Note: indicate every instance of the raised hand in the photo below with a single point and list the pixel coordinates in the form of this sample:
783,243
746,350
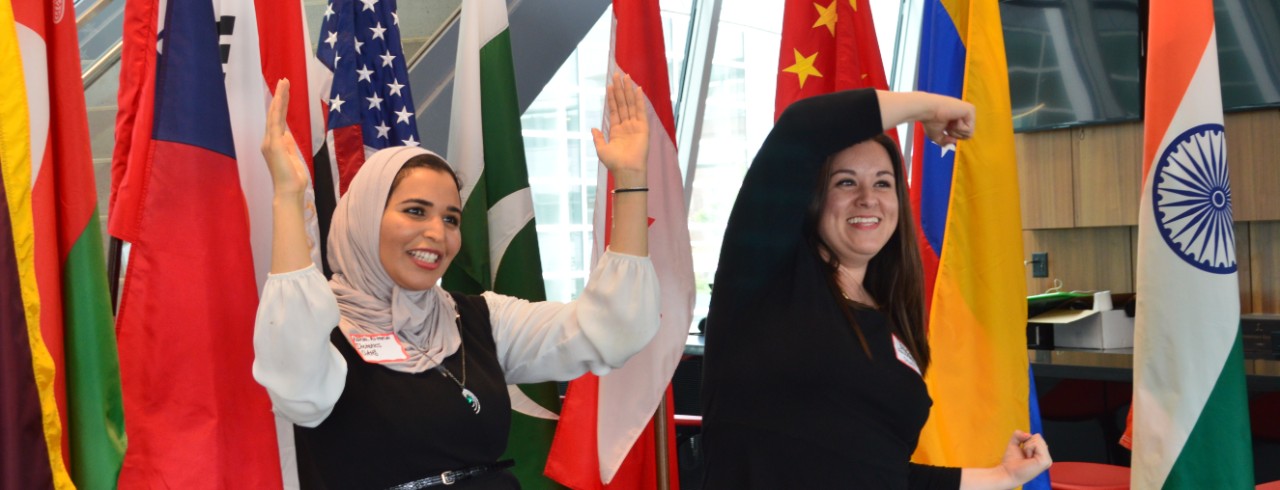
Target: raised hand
951,120
626,153
289,173
290,247
945,119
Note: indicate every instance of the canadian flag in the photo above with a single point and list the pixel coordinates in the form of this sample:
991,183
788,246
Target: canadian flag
604,438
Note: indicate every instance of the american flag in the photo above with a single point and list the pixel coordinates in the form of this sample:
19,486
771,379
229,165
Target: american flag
369,105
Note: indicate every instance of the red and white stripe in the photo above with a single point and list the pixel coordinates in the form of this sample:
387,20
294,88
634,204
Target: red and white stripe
627,398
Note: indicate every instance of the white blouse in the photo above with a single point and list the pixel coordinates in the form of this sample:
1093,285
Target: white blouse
615,316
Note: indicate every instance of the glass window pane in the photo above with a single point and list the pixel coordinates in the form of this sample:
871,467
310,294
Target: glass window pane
544,155
561,158
548,208
743,73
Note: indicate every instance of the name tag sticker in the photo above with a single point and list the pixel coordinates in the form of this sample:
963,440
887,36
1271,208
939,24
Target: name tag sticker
904,354
378,347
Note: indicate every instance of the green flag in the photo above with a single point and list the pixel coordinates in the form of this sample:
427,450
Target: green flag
75,306
499,244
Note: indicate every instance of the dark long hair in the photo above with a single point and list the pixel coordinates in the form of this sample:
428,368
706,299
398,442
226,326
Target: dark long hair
895,276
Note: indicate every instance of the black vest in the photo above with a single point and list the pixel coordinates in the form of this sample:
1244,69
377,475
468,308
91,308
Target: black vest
390,427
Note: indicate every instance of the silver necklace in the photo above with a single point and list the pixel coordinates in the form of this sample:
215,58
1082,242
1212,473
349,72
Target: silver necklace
467,395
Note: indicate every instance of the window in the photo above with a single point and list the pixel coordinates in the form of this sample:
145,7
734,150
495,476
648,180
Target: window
743,72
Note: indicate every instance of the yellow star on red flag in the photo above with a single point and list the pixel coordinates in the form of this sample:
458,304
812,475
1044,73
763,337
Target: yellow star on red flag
804,67
826,17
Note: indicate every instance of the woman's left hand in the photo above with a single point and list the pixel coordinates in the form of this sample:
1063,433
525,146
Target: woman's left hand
626,153
1026,456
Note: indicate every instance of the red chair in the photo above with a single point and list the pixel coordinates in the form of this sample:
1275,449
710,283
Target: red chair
1071,475
1275,485
688,420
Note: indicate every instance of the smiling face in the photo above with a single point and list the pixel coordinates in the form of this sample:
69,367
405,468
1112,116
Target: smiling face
420,232
860,212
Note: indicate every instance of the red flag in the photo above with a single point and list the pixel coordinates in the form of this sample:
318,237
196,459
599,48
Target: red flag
827,48
196,418
591,450
75,321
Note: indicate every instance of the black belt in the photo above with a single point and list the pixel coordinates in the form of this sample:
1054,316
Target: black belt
451,477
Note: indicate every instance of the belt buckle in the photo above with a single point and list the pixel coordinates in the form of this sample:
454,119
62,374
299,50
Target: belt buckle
448,478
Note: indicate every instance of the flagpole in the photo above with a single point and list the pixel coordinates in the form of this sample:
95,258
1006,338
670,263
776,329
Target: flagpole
114,247
660,440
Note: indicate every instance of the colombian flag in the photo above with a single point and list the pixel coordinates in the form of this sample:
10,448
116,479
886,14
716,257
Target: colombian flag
972,245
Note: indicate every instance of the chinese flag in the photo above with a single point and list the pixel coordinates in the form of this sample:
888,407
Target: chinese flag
826,47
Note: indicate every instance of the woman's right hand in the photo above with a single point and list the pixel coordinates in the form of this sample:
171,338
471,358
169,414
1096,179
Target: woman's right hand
951,120
289,173
946,120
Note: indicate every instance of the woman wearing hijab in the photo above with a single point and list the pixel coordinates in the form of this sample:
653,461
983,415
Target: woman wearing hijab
815,348
393,382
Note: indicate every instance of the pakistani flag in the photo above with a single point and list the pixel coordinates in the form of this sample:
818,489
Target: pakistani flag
1190,425
499,244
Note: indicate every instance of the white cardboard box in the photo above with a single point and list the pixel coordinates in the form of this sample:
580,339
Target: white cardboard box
1088,329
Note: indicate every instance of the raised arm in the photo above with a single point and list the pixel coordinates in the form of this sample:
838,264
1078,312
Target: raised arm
289,175
767,220
293,358
765,225
945,119
626,155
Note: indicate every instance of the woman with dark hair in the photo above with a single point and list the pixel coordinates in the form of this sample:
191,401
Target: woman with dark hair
393,382
816,346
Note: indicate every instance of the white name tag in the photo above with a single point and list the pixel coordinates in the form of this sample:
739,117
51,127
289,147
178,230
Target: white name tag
904,354
378,347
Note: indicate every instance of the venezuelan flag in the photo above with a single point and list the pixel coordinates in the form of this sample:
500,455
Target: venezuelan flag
972,243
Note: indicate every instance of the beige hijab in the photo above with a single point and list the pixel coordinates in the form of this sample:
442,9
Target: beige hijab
368,300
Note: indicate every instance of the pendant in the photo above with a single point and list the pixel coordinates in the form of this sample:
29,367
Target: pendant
471,400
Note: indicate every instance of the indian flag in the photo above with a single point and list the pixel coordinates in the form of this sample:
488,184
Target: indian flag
499,243
1190,425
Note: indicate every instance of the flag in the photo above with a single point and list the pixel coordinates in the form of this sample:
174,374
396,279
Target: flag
76,319
1190,420
499,242
827,47
967,200
30,432
606,437
196,418
284,51
369,104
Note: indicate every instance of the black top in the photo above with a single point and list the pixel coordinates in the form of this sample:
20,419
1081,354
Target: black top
790,398
390,427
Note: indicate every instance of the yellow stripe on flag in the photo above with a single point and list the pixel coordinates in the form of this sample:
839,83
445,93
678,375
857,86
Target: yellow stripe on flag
15,165
978,378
